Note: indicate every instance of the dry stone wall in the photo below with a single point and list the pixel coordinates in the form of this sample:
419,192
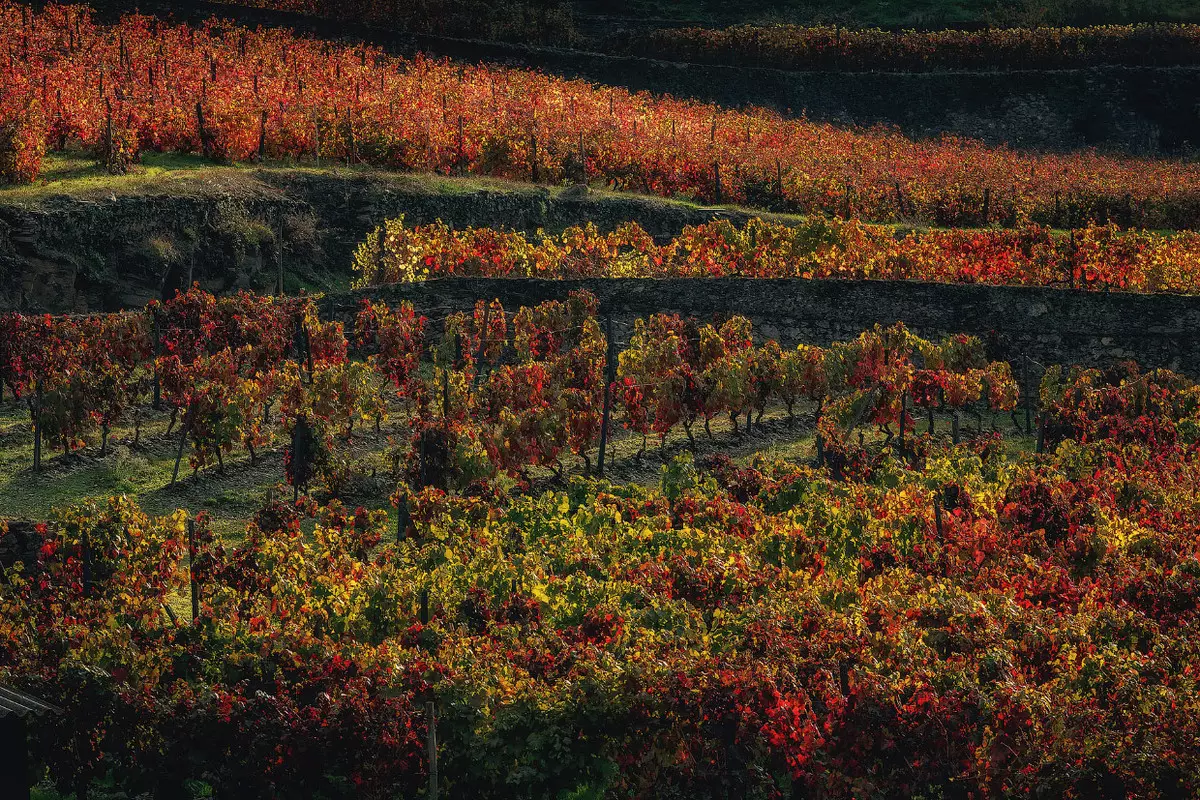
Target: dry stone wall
1048,325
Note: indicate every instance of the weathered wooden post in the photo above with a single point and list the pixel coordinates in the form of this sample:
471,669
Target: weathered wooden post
37,427
195,587
1026,398
402,517
431,747
85,547
262,128
609,377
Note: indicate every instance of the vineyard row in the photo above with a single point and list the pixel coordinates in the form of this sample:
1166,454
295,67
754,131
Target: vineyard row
1096,258
782,46
491,392
234,94
794,47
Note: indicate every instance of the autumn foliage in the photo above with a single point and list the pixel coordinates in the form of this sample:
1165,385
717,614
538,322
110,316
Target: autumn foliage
236,94
1095,257
968,626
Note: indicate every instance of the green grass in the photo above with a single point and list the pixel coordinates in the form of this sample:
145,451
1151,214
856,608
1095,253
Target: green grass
143,472
75,172
78,174
231,497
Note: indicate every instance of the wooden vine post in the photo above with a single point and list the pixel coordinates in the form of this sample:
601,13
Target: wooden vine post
262,130
37,427
85,547
533,163
187,426
402,517
431,746
195,586
459,147
1026,398
200,130
610,375
820,440
941,536
279,280
156,385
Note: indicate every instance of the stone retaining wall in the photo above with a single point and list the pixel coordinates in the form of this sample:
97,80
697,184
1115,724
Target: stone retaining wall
1049,325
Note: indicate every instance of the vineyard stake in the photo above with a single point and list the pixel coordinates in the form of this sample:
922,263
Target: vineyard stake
460,144
279,290
937,519
402,517
609,377
317,139
533,165
187,424
157,401
195,587
431,744
307,349
430,714
262,129
903,419
108,134
817,427
487,312
424,477
37,427
200,130
85,547
1026,398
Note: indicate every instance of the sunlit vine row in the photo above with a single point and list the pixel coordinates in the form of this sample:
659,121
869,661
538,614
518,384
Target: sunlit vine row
1100,258
238,94
508,391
